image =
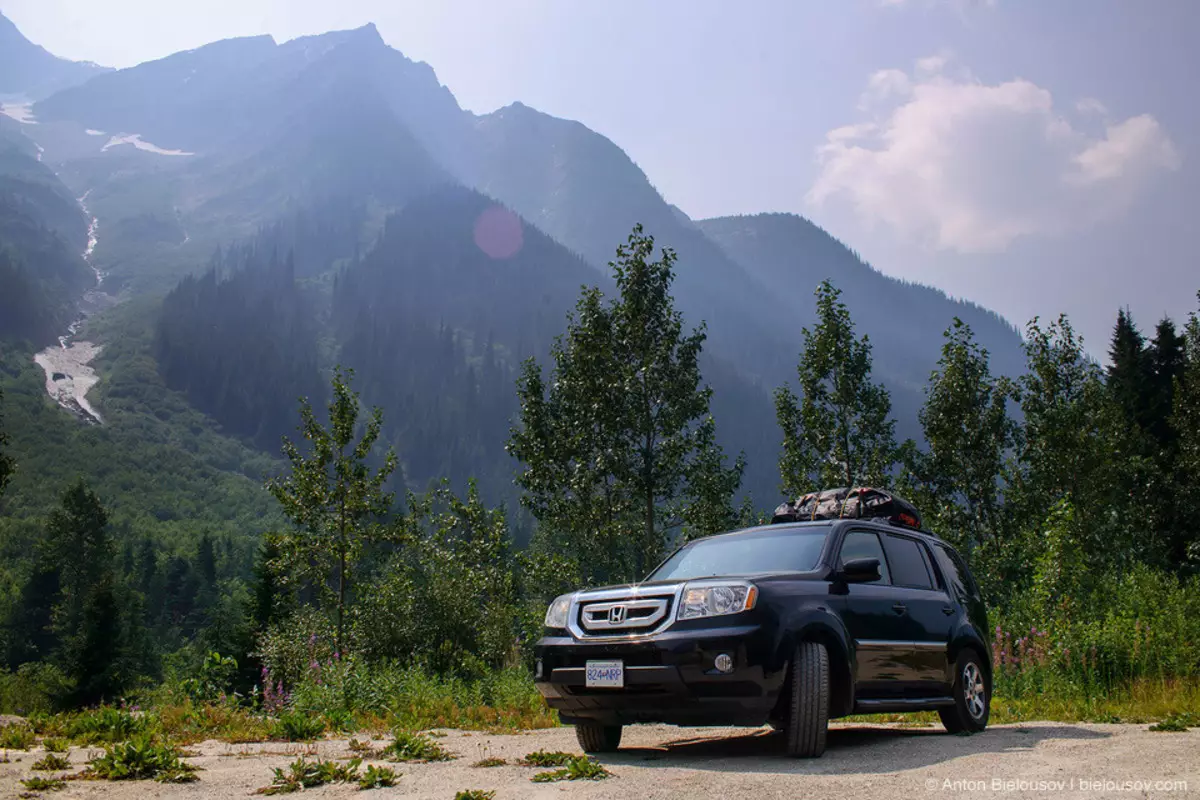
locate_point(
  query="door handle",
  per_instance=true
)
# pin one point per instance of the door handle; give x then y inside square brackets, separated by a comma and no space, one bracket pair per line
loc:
[899,608]
[947,610]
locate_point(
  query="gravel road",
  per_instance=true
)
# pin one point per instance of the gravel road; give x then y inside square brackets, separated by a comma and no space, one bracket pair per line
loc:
[863,762]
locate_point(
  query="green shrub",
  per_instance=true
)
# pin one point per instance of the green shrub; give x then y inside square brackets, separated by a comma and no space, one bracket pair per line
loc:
[38,784]
[294,726]
[51,762]
[303,774]
[490,762]
[16,736]
[541,758]
[142,758]
[35,687]
[1178,723]
[377,777]
[54,745]
[579,768]
[107,724]
[475,794]
[415,747]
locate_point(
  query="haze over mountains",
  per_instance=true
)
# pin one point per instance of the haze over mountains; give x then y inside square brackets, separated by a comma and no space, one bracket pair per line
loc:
[360,215]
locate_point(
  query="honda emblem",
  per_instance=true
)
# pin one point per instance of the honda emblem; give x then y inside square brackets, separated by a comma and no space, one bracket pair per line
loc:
[616,615]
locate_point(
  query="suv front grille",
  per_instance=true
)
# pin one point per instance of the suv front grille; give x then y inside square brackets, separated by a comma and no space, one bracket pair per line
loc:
[624,615]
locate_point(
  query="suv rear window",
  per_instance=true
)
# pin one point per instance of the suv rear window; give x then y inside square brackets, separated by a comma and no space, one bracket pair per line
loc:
[778,550]
[907,562]
[956,572]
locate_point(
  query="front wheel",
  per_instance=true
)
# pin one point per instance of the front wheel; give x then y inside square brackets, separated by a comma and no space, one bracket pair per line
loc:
[597,738]
[808,709]
[972,704]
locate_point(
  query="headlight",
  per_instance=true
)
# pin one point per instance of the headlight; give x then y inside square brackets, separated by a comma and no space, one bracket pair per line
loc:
[716,599]
[559,610]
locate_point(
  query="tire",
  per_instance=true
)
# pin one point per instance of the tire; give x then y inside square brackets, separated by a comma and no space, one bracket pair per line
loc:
[595,737]
[808,709]
[972,700]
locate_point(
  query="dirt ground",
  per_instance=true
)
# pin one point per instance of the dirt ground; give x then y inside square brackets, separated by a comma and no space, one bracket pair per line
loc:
[863,762]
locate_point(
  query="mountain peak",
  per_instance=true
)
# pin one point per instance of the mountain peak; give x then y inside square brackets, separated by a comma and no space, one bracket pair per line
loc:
[29,69]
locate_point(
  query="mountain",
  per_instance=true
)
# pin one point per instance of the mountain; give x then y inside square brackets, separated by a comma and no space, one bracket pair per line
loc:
[904,320]
[30,71]
[344,191]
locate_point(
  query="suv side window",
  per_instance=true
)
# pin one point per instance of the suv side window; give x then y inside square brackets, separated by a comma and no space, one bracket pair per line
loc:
[907,562]
[864,544]
[955,571]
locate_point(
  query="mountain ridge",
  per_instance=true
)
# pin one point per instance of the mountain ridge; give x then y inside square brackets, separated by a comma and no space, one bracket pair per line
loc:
[33,71]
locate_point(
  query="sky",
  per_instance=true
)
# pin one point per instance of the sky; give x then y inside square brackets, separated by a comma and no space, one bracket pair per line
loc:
[1035,157]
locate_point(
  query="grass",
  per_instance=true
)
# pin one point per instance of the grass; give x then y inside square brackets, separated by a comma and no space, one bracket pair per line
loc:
[577,768]
[415,747]
[474,794]
[51,762]
[490,762]
[541,758]
[303,774]
[142,758]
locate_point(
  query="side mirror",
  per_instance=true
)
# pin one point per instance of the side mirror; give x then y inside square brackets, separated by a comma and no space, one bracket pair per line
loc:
[860,570]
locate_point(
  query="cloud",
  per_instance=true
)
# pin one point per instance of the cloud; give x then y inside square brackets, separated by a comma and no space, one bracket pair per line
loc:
[957,164]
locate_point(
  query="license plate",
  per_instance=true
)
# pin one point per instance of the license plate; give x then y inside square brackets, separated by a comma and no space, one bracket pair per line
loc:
[606,674]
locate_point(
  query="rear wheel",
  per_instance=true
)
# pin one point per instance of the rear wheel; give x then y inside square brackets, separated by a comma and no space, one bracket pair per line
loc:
[808,710]
[972,705]
[595,737]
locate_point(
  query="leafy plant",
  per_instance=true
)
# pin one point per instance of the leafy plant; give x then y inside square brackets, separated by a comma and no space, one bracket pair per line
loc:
[578,768]
[378,777]
[415,747]
[38,784]
[53,744]
[16,737]
[107,724]
[475,794]
[304,774]
[296,727]
[1178,723]
[51,762]
[542,758]
[142,758]
[493,761]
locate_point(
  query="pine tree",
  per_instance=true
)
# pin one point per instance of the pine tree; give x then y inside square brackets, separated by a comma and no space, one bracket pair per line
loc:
[1165,360]
[616,439]
[1186,420]
[1129,373]
[6,463]
[333,500]
[838,433]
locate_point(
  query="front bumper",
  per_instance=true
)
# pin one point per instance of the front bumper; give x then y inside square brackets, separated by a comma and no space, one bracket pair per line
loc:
[669,677]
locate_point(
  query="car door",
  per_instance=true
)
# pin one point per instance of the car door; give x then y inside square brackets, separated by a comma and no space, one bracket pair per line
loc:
[882,660]
[927,617]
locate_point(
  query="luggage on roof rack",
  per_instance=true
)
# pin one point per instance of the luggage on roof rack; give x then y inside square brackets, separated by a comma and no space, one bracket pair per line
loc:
[860,502]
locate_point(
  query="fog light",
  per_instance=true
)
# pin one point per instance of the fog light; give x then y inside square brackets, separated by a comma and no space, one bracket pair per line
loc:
[537,670]
[723,663]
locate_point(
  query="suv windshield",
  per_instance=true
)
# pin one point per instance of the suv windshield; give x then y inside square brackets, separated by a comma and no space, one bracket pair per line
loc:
[778,550]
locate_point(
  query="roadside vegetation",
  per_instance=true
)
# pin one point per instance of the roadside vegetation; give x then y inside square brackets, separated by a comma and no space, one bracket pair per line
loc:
[1071,489]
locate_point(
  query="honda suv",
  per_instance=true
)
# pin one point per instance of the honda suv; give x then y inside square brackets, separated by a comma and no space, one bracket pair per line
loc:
[790,624]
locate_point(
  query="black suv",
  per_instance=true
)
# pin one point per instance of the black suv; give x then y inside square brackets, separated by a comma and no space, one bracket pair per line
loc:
[791,624]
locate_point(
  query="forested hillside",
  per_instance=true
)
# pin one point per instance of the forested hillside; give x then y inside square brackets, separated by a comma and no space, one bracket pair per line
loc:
[42,234]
